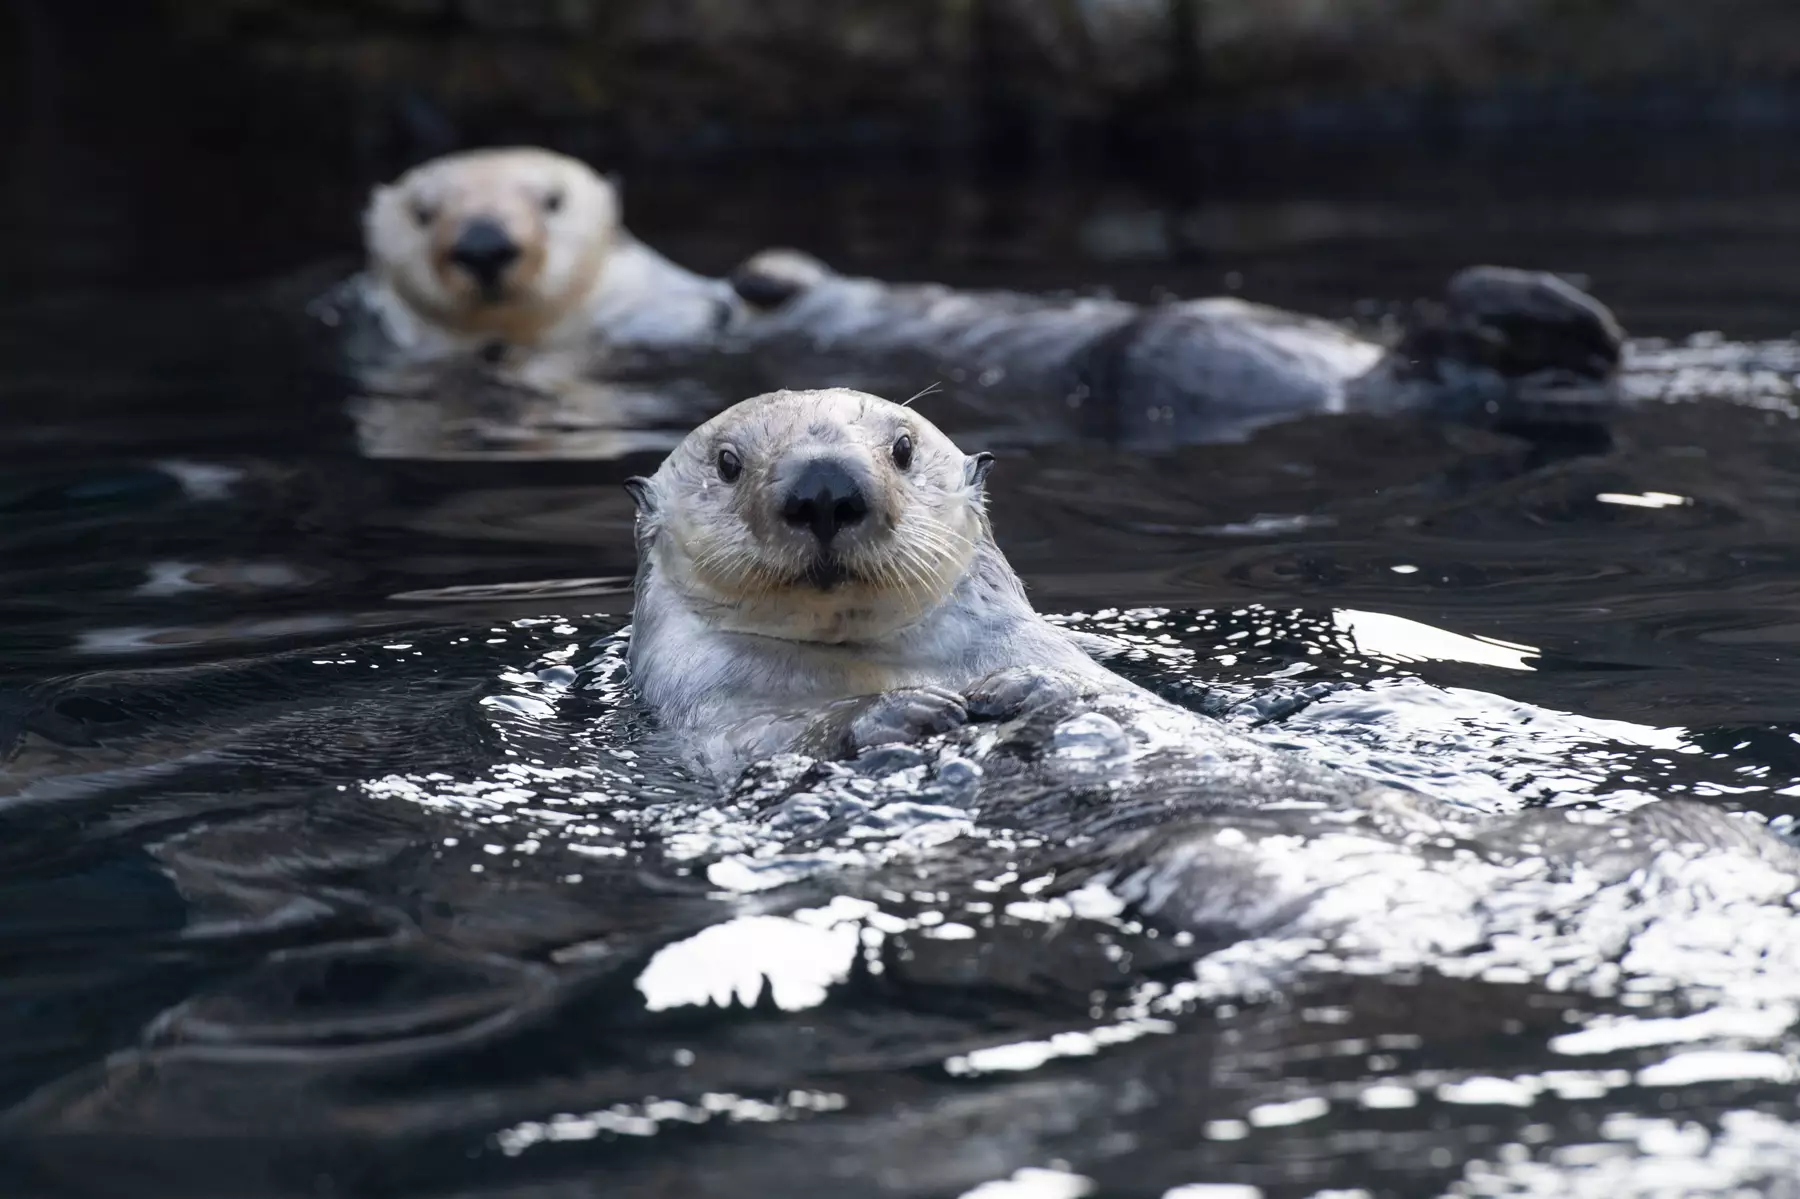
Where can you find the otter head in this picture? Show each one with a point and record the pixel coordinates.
(824, 516)
(501, 244)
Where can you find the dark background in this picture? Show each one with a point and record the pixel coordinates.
(1189, 145)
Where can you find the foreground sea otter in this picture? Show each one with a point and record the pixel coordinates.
(519, 256)
(817, 576)
(809, 549)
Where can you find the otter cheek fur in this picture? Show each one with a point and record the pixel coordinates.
(807, 548)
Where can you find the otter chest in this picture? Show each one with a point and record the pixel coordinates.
(806, 675)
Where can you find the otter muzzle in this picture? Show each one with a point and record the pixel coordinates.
(824, 498)
(483, 250)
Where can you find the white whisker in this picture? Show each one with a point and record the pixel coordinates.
(935, 387)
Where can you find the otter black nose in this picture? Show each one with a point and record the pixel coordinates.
(484, 249)
(825, 498)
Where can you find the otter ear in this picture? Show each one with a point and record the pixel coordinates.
(976, 468)
(643, 494)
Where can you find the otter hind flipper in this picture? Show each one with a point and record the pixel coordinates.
(1536, 322)
(770, 278)
(1524, 351)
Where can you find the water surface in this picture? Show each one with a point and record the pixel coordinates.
(336, 860)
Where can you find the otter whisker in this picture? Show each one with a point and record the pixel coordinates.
(884, 572)
(907, 573)
(719, 560)
(929, 390)
(956, 537)
(918, 563)
(932, 548)
(920, 573)
(734, 568)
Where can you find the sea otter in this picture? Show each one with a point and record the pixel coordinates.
(828, 549)
(489, 251)
(817, 576)
(517, 257)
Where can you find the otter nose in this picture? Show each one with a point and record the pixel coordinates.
(825, 498)
(484, 249)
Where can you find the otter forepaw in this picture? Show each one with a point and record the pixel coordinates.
(1010, 693)
(908, 715)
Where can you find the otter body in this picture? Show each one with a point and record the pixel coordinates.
(807, 549)
(1505, 346)
(519, 257)
(816, 575)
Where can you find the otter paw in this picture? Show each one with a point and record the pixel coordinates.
(907, 715)
(1010, 693)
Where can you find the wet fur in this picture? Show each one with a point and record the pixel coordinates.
(739, 651)
(1507, 344)
(1193, 825)
(579, 276)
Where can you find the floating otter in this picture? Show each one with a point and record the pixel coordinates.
(809, 560)
(1506, 347)
(517, 256)
(816, 575)
(827, 549)
(501, 300)
(492, 249)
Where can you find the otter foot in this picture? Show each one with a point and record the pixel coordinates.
(771, 278)
(900, 716)
(1525, 323)
(1010, 693)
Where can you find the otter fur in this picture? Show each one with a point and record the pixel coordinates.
(824, 549)
(518, 257)
(520, 247)
(816, 576)
(1505, 347)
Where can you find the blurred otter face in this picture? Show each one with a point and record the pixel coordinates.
(493, 243)
(825, 516)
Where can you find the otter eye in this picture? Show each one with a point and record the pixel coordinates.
(730, 466)
(552, 201)
(423, 213)
(903, 450)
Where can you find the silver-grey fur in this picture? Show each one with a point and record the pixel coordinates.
(1506, 345)
(581, 285)
(1191, 824)
(740, 655)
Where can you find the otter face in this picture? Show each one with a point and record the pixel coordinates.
(827, 516)
(493, 243)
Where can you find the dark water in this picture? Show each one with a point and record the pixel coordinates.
(332, 861)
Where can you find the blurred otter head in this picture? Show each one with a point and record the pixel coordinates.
(504, 244)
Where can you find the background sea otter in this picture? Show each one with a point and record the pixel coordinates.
(519, 254)
(520, 247)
